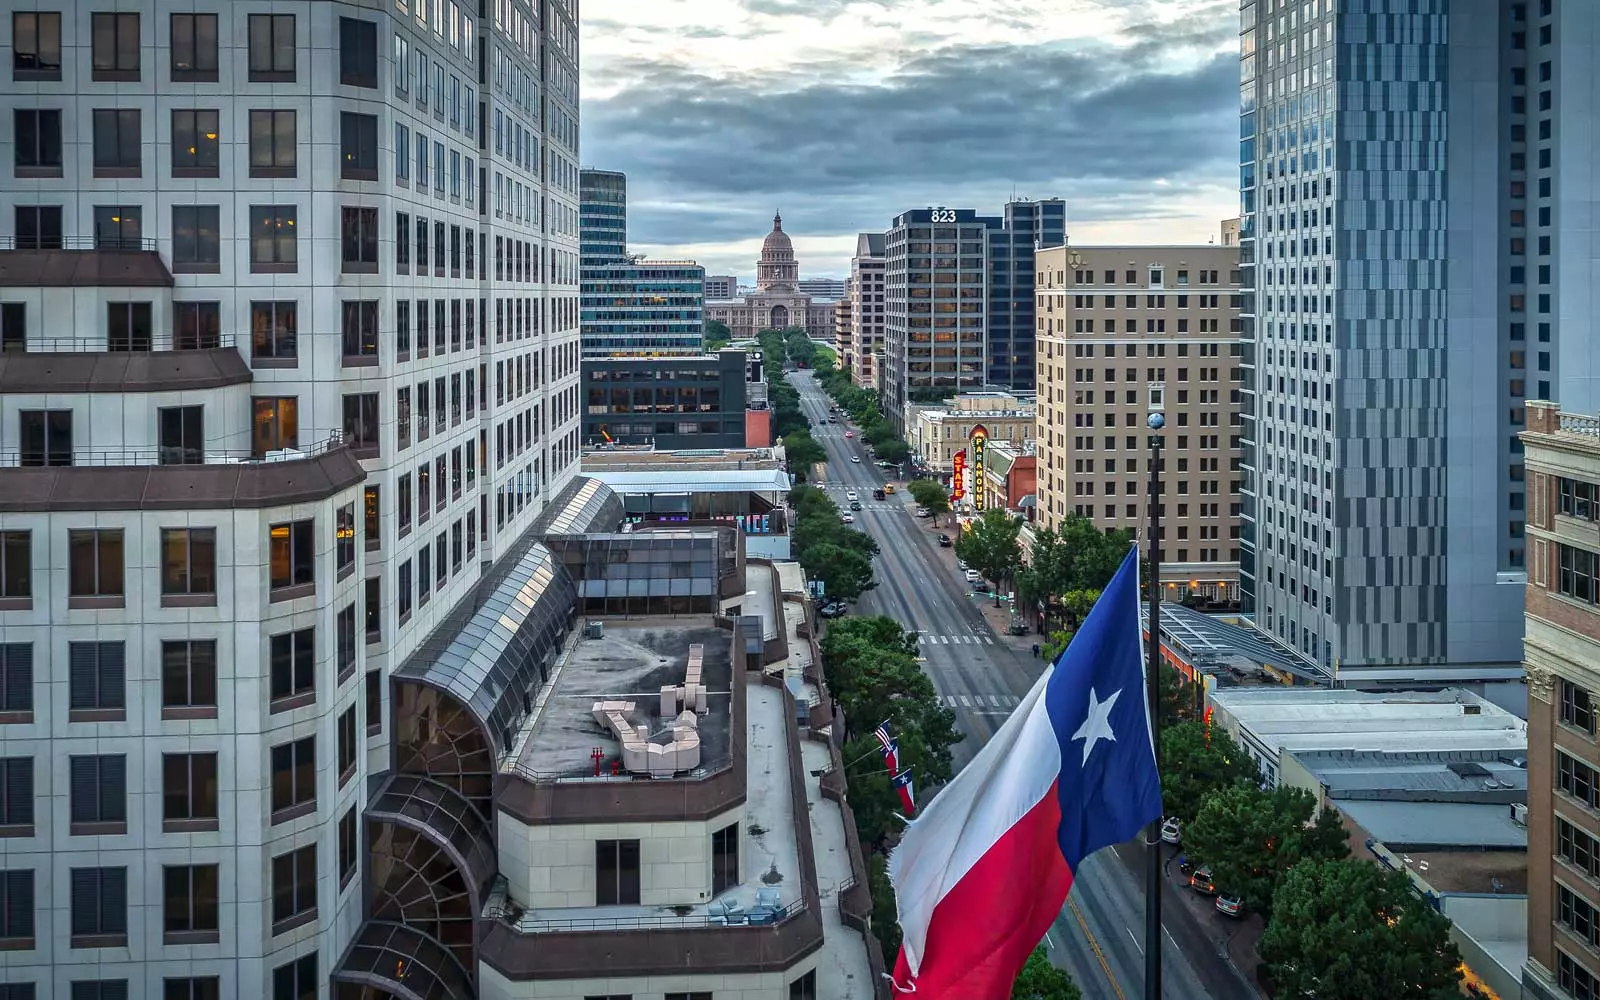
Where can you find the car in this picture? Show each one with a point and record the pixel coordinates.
(1171, 830)
(1202, 882)
(833, 609)
(961, 564)
(827, 420)
(847, 518)
(849, 434)
(1185, 866)
(851, 495)
(973, 576)
(888, 487)
(878, 495)
(924, 512)
(945, 542)
(1230, 905)
(855, 505)
(855, 459)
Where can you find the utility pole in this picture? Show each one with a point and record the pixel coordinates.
(1153, 879)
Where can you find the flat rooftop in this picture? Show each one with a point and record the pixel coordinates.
(1415, 777)
(631, 662)
(676, 479)
(1440, 826)
(1295, 719)
(644, 459)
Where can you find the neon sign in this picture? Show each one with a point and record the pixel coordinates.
(980, 437)
(958, 479)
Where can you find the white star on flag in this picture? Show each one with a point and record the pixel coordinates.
(1097, 724)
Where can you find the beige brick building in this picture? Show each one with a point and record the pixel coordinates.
(936, 432)
(1123, 331)
(843, 336)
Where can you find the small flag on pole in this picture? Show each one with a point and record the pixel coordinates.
(902, 784)
(891, 749)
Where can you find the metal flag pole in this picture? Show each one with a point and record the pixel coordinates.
(1152, 875)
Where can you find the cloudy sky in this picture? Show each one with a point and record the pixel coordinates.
(843, 113)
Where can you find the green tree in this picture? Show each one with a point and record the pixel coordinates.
(717, 335)
(991, 548)
(1054, 645)
(849, 637)
(844, 572)
(1176, 697)
(1251, 838)
(885, 920)
(803, 451)
(1039, 980)
(1198, 760)
(894, 451)
(1350, 930)
(931, 495)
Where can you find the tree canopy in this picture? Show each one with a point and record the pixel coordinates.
(1251, 838)
(803, 451)
(1075, 556)
(828, 549)
(1351, 930)
(931, 495)
(717, 335)
(1039, 980)
(990, 546)
(1197, 760)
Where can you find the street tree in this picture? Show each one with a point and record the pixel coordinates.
(1350, 930)
(1251, 838)
(844, 572)
(1198, 760)
(848, 637)
(991, 547)
(1039, 980)
(893, 451)
(803, 451)
(885, 920)
(931, 495)
(717, 335)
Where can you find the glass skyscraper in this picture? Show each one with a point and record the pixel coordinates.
(1024, 227)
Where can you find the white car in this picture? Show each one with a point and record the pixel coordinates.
(847, 518)
(973, 576)
(856, 459)
(851, 495)
(1172, 830)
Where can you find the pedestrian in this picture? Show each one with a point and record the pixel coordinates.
(1036, 651)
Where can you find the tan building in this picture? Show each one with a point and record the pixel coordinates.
(936, 433)
(1124, 331)
(1561, 649)
(843, 335)
(777, 301)
(865, 295)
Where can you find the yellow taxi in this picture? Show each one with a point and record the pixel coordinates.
(888, 488)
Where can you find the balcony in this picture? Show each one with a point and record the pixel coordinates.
(81, 262)
(176, 479)
(133, 363)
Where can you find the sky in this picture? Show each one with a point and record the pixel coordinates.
(844, 113)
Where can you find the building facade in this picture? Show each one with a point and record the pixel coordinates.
(669, 403)
(602, 215)
(936, 289)
(1416, 506)
(1124, 331)
(843, 333)
(936, 432)
(294, 342)
(1023, 227)
(642, 308)
(777, 300)
(1561, 651)
(827, 289)
(722, 286)
(866, 309)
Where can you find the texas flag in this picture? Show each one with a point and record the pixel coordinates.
(982, 874)
(908, 799)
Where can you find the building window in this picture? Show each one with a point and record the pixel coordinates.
(190, 904)
(38, 228)
(16, 682)
(272, 143)
(291, 560)
(724, 859)
(193, 988)
(358, 147)
(117, 142)
(344, 541)
(372, 609)
(293, 669)
(114, 44)
(196, 239)
(1578, 569)
(16, 908)
(371, 518)
(129, 326)
(94, 564)
(359, 240)
(99, 989)
(273, 246)
(273, 327)
(14, 315)
(38, 143)
(348, 742)
(1576, 779)
(294, 779)
(1577, 707)
(1577, 980)
(358, 53)
(181, 431)
(402, 593)
(194, 48)
(804, 988)
(46, 437)
(189, 679)
(616, 872)
(195, 144)
(96, 681)
(296, 980)
(275, 424)
(16, 570)
(118, 227)
(349, 846)
(99, 794)
(188, 792)
(294, 889)
(99, 907)
(1576, 847)
(272, 54)
(188, 565)
(359, 333)
(16, 797)
(196, 326)
(36, 46)
(374, 693)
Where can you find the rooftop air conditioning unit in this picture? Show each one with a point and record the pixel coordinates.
(594, 630)
(1519, 813)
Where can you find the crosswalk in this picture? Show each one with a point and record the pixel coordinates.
(953, 640)
(980, 701)
(880, 506)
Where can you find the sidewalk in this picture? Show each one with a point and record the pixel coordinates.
(1234, 939)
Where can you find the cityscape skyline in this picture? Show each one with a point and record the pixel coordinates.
(1127, 83)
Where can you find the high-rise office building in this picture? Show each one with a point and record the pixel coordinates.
(936, 284)
(721, 286)
(843, 333)
(1124, 331)
(603, 215)
(866, 308)
(289, 311)
(1412, 280)
(1023, 227)
(829, 289)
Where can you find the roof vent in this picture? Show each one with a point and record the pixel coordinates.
(1468, 769)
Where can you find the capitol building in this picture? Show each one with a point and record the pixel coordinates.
(777, 301)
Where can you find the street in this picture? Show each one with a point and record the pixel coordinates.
(1099, 936)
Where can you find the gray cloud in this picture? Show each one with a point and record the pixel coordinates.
(1113, 129)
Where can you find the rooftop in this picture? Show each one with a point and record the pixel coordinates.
(631, 662)
(680, 480)
(1440, 826)
(1296, 719)
(647, 459)
(1415, 777)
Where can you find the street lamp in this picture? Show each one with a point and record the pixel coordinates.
(1153, 880)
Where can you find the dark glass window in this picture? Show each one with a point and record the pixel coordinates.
(118, 227)
(97, 678)
(16, 792)
(99, 791)
(276, 424)
(724, 859)
(189, 791)
(358, 53)
(349, 845)
(94, 562)
(99, 902)
(361, 423)
(114, 44)
(359, 335)
(293, 667)
(16, 678)
(16, 564)
(36, 45)
(348, 742)
(182, 435)
(129, 326)
(192, 988)
(616, 872)
(17, 904)
(14, 321)
(196, 326)
(294, 887)
(196, 239)
(196, 143)
(272, 143)
(46, 437)
(359, 240)
(190, 909)
(291, 554)
(371, 516)
(272, 52)
(117, 142)
(273, 327)
(38, 228)
(189, 676)
(273, 242)
(294, 775)
(358, 146)
(374, 692)
(189, 561)
(38, 142)
(296, 980)
(194, 48)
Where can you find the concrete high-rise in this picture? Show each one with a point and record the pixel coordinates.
(290, 325)
(1418, 266)
(866, 308)
(1023, 227)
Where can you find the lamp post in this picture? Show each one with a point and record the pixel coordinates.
(1153, 879)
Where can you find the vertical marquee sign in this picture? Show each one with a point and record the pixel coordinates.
(958, 477)
(980, 437)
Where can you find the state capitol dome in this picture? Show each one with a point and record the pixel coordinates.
(777, 241)
(777, 270)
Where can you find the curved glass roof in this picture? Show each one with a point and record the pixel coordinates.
(418, 802)
(404, 961)
(494, 651)
(585, 505)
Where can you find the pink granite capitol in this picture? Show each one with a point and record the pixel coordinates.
(777, 301)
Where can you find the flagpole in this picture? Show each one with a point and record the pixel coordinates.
(1153, 875)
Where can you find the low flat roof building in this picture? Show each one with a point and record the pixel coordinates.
(681, 490)
(677, 402)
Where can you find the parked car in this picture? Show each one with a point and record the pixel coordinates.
(924, 512)
(1185, 866)
(878, 495)
(944, 542)
(1230, 905)
(1202, 882)
(1171, 830)
(833, 609)
(973, 576)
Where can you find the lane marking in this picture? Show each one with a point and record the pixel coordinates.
(1094, 946)
(1135, 940)
(965, 703)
